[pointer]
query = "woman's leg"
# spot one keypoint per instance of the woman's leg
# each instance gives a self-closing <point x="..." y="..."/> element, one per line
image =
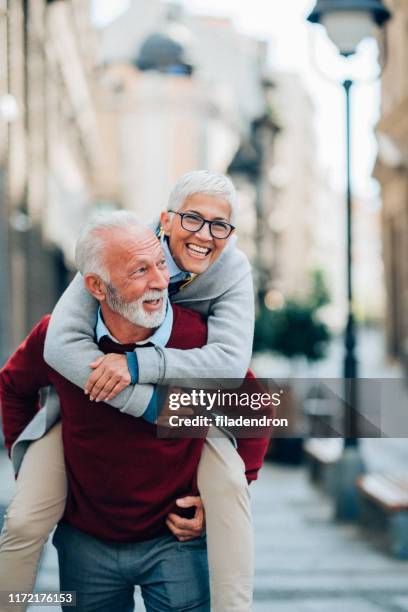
<point x="36" y="507"/>
<point x="224" y="490"/>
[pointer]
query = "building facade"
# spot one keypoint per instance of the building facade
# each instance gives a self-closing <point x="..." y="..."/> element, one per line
<point x="48" y="153"/>
<point x="391" y="170"/>
<point x="180" y="92"/>
<point x="110" y="119"/>
<point x="294" y="180"/>
<point x="177" y="92"/>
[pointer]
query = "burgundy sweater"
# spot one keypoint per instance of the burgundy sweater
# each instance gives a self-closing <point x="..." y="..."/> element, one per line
<point x="123" y="479"/>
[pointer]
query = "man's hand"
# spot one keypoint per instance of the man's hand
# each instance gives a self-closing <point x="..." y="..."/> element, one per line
<point x="110" y="376"/>
<point x="187" y="529"/>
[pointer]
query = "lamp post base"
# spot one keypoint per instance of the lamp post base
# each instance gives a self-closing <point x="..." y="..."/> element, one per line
<point x="349" y="467"/>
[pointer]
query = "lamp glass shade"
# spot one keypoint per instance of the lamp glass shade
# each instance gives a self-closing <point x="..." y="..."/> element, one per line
<point x="348" y="28"/>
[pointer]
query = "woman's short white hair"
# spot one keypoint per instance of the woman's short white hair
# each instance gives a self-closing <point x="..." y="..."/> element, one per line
<point x="204" y="181"/>
<point x="91" y="244"/>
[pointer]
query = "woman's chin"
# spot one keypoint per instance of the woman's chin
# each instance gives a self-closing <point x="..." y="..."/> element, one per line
<point x="195" y="266"/>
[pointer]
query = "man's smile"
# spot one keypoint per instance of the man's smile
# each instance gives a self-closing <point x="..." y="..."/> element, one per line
<point x="154" y="304"/>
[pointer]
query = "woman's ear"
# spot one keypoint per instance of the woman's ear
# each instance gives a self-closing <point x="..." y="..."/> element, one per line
<point x="96" y="286"/>
<point x="165" y="221"/>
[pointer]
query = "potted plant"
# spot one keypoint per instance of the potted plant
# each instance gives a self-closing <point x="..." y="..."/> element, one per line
<point x="295" y="332"/>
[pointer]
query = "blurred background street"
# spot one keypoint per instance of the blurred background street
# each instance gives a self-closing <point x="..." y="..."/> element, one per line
<point x="105" y="103"/>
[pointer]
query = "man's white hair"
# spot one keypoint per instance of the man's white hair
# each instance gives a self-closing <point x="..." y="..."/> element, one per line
<point x="91" y="244"/>
<point x="204" y="181"/>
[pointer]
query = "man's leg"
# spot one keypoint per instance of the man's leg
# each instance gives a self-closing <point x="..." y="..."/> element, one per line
<point x="174" y="575"/>
<point x="224" y="490"/>
<point x="92" y="568"/>
<point x="36" y="507"/>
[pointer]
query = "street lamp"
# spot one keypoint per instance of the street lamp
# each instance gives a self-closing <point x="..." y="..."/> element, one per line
<point x="347" y="23"/>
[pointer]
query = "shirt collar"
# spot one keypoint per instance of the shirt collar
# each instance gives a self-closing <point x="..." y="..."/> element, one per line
<point x="160" y="337"/>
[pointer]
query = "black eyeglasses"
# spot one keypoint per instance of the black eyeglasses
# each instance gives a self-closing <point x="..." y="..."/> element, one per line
<point x="193" y="223"/>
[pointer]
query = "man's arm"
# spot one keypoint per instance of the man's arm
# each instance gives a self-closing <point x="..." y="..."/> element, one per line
<point x="225" y="356"/>
<point x="70" y="347"/>
<point x="21" y="379"/>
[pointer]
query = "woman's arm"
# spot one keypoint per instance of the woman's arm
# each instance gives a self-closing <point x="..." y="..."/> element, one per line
<point x="228" y="350"/>
<point x="70" y="347"/>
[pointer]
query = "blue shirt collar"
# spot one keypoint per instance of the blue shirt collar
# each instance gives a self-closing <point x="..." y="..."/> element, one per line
<point x="160" y="337"/>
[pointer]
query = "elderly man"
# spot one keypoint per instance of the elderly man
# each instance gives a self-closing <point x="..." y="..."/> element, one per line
<point x="123" y="480"/>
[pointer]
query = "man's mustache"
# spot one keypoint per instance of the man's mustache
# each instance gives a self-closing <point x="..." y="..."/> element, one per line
<point x="154" y="294"/>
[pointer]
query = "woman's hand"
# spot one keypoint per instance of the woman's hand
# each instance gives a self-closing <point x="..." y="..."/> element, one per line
<point x="110" y="376"/>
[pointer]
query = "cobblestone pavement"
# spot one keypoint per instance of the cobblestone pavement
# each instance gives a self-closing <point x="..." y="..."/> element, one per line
<point x="304" y="561"/>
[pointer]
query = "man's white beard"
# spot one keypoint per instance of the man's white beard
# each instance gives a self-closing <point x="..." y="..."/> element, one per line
<point x="134" y="311"/>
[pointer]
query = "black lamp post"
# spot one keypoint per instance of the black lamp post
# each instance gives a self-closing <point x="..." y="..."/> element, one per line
<point x="347" y="23"/>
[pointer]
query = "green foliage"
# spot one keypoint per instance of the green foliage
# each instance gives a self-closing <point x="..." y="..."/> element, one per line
<point x="319" y="295"/>
<point x="295" y="329"/>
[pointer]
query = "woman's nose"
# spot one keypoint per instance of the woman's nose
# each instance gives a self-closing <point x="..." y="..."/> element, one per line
<point x="204" y="233"/>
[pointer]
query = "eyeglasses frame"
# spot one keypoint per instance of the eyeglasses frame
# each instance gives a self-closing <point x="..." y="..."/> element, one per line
<point x="204" y="221"/>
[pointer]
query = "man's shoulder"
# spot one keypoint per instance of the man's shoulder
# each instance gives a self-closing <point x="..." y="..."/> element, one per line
<point x="30" y="351"/>
<point x="189" y="329"/>
<point x="42" y="324"/>
<point x="39" y="331"/>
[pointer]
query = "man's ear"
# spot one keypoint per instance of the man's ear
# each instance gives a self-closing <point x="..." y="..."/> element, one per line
<point x="96" y="286"/>
<point x="165" y="221"/>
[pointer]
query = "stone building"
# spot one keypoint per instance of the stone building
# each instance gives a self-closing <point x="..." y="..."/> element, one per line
<point x="392" y="172"/>
<point x="295" y="180"/>
<point x="177" y="92"/>
<point x="49" y="153"/>
<point x="278" y="164"/>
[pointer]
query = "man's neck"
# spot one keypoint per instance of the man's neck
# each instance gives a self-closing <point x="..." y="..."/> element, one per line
<point x="122" y="329"/>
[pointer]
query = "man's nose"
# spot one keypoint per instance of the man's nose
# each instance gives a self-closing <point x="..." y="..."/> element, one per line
<point x="159" y="279"/>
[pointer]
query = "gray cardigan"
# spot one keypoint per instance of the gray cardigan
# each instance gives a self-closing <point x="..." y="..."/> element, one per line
<point x="223" y="294"/>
